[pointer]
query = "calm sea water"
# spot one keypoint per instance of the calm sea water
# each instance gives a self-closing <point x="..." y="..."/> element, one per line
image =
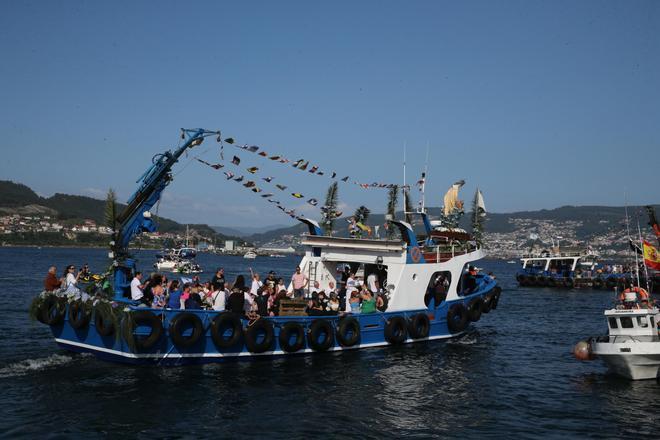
<point x="512" y="376"/>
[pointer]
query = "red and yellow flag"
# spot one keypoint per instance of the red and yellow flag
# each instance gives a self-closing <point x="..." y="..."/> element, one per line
<point x="651" y="257"/>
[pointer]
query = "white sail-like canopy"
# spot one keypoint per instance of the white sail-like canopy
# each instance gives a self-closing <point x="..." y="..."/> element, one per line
<point x="481" y="206"/>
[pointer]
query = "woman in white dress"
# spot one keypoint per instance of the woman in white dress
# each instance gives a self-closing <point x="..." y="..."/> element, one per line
<point x="71" y="279"/>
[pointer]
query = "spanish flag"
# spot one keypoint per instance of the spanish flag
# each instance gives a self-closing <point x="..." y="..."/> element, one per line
<point x="651" y="257"/>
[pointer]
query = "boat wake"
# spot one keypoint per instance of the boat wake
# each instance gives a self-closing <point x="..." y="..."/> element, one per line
<point x="26" y="366"/>
<point x="467" y="339"/>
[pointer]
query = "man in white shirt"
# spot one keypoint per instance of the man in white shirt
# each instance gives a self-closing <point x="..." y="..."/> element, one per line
<point x="351" y="286"/>
<point x="136" y="287"/>
<point x="371" y="282"/>
<point x="218" y="298"/>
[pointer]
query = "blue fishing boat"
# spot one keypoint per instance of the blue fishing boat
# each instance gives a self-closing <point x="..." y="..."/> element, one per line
<point x="429" y="291"/>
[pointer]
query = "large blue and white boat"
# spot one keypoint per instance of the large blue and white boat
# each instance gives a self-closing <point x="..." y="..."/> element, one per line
<point x="430" y="295"/>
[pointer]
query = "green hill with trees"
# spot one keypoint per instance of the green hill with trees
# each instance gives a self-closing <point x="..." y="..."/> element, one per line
<point x="71" y="208"/>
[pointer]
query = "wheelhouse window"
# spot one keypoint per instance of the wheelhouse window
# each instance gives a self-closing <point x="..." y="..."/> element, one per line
<point x="437" y="289"/>
<point x="642" y="322"/>
<point x="613" y="323"/>
<point x="626" y="322"/>
<point x="468" y="282"/>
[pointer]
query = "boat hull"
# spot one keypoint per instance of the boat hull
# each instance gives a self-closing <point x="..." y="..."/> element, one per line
<point x="636" y="361"/>
<point x="372" y="333"/>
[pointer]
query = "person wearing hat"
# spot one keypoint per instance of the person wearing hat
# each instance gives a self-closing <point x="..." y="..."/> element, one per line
<point x="470" y="280"/>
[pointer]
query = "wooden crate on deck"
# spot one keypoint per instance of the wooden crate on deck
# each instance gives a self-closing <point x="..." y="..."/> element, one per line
<point x="293" y="307"/>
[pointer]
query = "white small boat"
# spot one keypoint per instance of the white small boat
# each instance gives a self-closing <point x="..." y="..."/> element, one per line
<point x="173" y="259"/>
<point x="250" y="255"/>
<point x="276" y="256"/>
<point x="188" y="266"/>
<point x="632" y="346"/>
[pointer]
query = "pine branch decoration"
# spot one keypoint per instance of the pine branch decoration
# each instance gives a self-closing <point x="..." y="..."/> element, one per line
<point x="111" y="210"/>
<point x="392" y="201"/>
<point x="329" y="211"/>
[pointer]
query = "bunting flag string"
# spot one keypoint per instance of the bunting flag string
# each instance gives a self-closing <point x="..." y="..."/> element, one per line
<point x="215" y="166"/>
<point x="303" y="164"/>
<point x="252" y="186"/>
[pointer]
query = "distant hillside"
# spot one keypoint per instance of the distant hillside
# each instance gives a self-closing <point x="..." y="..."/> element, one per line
<point x="244" y="231"/>
<point x="595" y="220"/>
<point x="18" y="198"/>
<point x="13" y="195"/>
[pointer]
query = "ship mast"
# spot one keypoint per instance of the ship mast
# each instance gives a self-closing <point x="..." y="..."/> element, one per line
<point x="424" y="176"/>
<point x="630" y="241"/>
<point x="646" y="269"/>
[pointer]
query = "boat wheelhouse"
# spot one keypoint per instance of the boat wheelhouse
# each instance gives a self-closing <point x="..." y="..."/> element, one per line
<point x="428" y="290"/>
<point x="569" y="269"/>
<point x="632" y="346"/>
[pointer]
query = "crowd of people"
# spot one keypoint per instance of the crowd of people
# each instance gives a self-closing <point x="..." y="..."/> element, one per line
<point x="258" y="297"/>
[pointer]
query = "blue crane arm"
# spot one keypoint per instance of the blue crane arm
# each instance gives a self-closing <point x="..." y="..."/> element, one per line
<point x="136" y="216"/>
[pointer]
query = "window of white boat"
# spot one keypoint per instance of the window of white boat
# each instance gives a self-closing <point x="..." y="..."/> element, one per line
<point x="627" y="322"/>
<point x="642" y="322"/>
<point x="437" y="288"/>
<point x="467" y="283"/>
<point x="613" y="323"/>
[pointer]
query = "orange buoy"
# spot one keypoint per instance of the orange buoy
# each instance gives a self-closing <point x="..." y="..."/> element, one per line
<point x="582" y="351"/>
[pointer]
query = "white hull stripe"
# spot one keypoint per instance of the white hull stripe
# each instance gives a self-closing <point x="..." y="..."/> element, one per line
<point x="230" y="355"/>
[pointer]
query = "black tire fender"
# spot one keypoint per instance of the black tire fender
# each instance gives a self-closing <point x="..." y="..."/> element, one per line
<point x="348" y="331"/>
<point x="474" y="309"/>
<point x="146" y="318"/>
<point x="252" y="333"/>
<point x="496" y="298"/>
<point x="78" y="316"/>
<point x="52" y="311"/>
<point x="419" y="326"/>
<point x="104" y="327"/>
<point x="222" y="323"/>
<point x="395" y="330"/>
<point x="287" y="330"/>
<point x="457" y="318"/>
<point x="176" y="329"/>
<point x="488" y="303"/>
<point x="318" y="328"/>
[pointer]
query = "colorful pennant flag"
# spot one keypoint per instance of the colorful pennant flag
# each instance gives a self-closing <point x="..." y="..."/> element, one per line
<point x="252" y="170"/>
<point x="236" y="160"/>
<point x="297" y="195"/>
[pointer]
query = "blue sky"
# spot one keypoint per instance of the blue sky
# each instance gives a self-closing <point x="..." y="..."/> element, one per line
<point x="539" y="104"/>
